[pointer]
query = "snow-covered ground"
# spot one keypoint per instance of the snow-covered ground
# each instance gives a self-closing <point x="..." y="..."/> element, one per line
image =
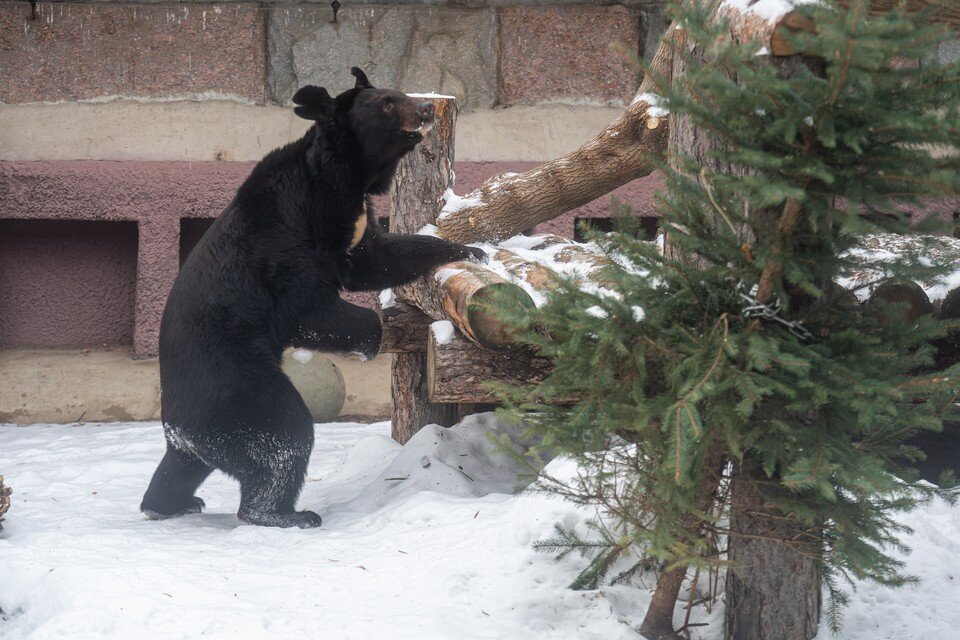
<point x="425" y="541"/>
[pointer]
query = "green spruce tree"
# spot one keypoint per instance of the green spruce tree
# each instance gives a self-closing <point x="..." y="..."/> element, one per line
<point x="735" y="356"/>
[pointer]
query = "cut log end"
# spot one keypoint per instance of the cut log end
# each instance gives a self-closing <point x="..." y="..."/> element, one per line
<point x="472" y="296"/>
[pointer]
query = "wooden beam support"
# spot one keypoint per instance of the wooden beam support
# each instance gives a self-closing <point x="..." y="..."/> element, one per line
<point x="404" y="329"/>
<point x="423" y="175"/>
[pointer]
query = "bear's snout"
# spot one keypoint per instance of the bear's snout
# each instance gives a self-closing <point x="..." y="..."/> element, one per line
<point x="426" y="111"/>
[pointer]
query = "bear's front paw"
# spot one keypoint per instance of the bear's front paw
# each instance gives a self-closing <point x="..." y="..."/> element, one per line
<point x="476" y="255"/>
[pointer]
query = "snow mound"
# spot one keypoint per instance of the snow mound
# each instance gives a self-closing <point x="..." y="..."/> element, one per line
<point x="464" y="460"/>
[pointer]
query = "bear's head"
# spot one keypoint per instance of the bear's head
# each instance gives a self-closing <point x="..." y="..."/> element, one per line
<point x="384" y="124"/>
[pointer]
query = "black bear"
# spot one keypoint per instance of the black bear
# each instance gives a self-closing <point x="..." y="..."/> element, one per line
<point x="268" y="275"/>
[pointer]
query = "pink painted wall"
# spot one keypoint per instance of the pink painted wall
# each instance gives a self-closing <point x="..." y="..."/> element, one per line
<point x="89" y="250"/>
<point x="67" y="283"/>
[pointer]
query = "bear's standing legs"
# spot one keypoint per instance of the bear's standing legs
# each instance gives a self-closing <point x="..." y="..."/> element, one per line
<point x="171" y="489"/>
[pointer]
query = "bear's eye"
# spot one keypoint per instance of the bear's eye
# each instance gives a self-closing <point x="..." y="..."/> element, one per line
<point x="388" y="107"/>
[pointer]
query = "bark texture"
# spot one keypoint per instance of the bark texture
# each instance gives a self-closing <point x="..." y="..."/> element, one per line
<point x="509" y="203"/>
<point x="658" y="622"/>
<point x="460" y="371"/>
<point x="412" y="409"/>
<point x="773" y="587"/>
<point x="5" y="493"/>
<point x="422" y="177"/>
<point x="404" y="329"/>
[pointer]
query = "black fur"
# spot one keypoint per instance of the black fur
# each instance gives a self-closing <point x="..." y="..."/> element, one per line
<point x="267" y="275"/>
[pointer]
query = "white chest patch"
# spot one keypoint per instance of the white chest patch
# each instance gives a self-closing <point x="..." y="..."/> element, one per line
<point x="359" y="227"/>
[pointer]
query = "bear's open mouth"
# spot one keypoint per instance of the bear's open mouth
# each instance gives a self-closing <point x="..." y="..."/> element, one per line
<point x="421" y="131"/>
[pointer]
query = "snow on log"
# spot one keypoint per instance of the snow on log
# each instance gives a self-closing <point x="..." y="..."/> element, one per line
<point x="537" y="276"/>
<point x="768" y="22"/>
<point x="772" y="22"/>
<point x="460" y="371"/>
<point x="469" y="294"/>
<point x="509" y="203"/>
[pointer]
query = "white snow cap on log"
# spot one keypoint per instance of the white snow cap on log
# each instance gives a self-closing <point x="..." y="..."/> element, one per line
<point x="428" y="230"/>
<point x="442" y="331"/>
<point x="431" y="96"/>
<point x="770" y="10"/>
<point x="453" y="202"/>
<point x="442" y="275"/>
<point x="387" y="299"/>
<point x="656" y="108"/>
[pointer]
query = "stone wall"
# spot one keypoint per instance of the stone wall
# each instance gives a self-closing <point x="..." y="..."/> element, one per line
<point x="484" y="55"/>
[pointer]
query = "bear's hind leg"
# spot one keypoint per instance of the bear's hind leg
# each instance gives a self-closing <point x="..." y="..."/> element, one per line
<point x="269" y="487"/>
<point x="171" y="489"/>
<point x="269" y="459"/>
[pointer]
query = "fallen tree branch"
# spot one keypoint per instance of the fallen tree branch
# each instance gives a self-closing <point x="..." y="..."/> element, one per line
<point x="507" y="204"/>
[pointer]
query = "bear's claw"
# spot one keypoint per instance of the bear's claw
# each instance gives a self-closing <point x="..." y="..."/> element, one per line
<point x="475" y="254"/>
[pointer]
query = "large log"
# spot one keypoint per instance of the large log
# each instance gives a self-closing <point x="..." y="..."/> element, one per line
<point x="535" y="274"/>
<point x="946" y="11"/>
<point x="774" y="33"/>
<point x="509" y="203"/>
<point x="422" y="177"/>
<point x="460" y="371"/>
<point x="470" y="295"/>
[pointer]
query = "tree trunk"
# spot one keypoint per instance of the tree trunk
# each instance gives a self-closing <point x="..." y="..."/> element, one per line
<point x="458" y="370"/>
<point x="422" y="177"/>
<point x="509" y="203"/>
<point x="658" y="622"/>
<point x="412" y="409"/>
<point x="773" y="586"/>
<point x="772" y="591"/>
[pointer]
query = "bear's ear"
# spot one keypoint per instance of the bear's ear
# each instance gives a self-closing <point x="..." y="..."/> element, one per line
<point x="314" y="103"/>
<point x="362" y="82"/>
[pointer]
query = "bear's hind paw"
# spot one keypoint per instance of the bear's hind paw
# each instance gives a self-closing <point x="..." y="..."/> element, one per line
<point x="195" y="505"/>
<point x="302" y="519"/>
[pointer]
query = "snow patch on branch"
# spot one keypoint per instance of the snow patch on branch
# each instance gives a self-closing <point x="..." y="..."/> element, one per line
<point x="454" y="203"/>
<point x="657" y="108"/>
<point x="442" y="331"/>
<point x="429" y="230"/>
<point x="387" y="299"/>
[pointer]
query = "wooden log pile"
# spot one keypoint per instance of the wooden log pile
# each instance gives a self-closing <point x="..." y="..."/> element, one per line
<point x="438" y="379"/>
